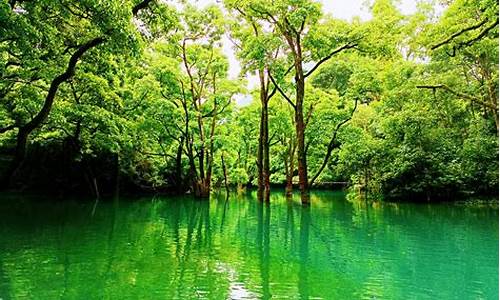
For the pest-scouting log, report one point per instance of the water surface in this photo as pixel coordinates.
(180, 248)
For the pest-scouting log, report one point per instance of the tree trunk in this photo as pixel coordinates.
(201, 189)
(117, 175)
(262, 141)
(178, 166)
(265, 150)
(260, 163)
(224, 170)
(36, 122)
(289, 186)
(300, 133)
(290, 167)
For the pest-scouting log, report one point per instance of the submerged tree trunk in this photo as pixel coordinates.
(265, 171)
(224, 170)
(178, 166)
(293, 36)
(263, 181)
(289, 186)
(290, 167)
(300, 131)
(201, 189)
(260, 161)
(294, 42)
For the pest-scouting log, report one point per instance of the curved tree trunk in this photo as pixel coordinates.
(26, 129)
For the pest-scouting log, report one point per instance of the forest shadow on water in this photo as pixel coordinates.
(239, 248)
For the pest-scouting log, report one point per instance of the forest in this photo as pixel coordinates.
(249, 149)
(98, 97)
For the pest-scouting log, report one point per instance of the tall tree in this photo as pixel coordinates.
(206, 92)
(258, 50)
(307, 37)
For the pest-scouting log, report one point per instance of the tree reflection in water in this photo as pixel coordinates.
(238, 248)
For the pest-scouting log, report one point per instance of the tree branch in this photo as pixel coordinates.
(54, 86)
(281, 91)
(458, 94)
(141, 5)
(333, 144)
(326, 58)
(7, 128)
(459, 33)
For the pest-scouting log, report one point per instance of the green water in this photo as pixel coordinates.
(178, 248)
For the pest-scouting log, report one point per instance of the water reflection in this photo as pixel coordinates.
(305, 221)
(263, 224)
(239, 248)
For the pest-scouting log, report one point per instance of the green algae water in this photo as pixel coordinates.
(181, 248)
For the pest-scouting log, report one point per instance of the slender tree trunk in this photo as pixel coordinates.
(300, 133)
(288, 190)
(202, 185)
(265, 150)
(260, 163)
(224, 170)
(262, 141)
(178, 166)
(289, 185)
(290, 165)
(292, 36)
(333, 144)
(193, 174)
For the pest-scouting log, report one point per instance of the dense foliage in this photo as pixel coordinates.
(137, 95)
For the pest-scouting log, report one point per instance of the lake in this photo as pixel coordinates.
(181, 248)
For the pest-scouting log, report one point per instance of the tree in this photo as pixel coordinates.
(106, 24)
(304, 39)
(206, 93)
(258, 50)
(467, 37)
